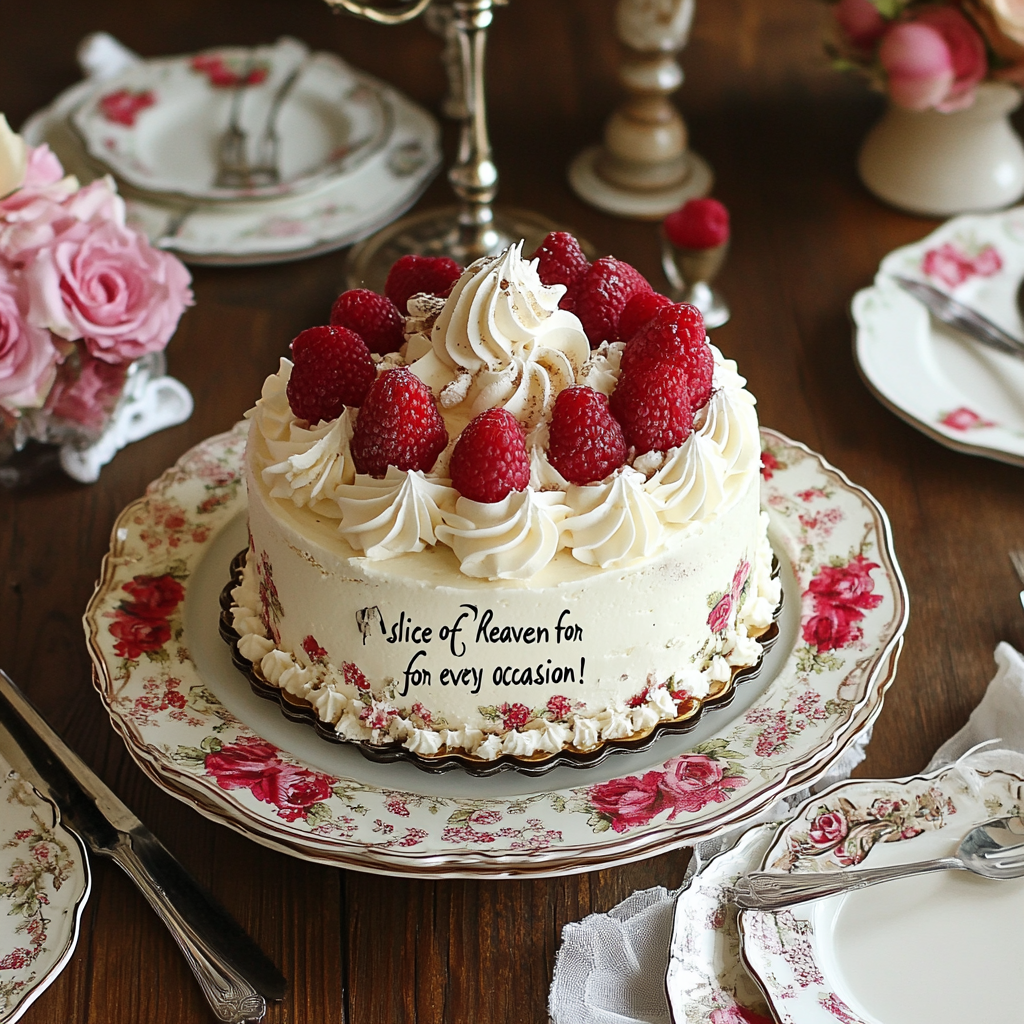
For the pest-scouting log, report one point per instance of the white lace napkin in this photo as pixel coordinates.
(611, 967)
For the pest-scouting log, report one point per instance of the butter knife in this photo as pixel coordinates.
(235, 975)
(964, 319)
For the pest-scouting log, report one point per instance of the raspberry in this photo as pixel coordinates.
(638, 311)
(602, 295)
(332, 369)
(676, 335)
(375, 318)
(561, 262)
(398, 425)
(411, 275)
(586, 441)
(489, 460)
(652, 402)
(698, 224)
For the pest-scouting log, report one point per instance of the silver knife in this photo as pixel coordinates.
(969, 321)
(235, 975)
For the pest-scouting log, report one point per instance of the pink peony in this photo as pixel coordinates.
(934, 60)
(28, 358)
(860, 23)
(105, 283)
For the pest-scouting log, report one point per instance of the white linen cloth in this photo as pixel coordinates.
(611, 967)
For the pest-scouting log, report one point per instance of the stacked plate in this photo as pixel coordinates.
(335, 154)
(187, 714)
(934, 948)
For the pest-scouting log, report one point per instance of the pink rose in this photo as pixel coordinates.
(86, 390)
(850, 584)
(153, 597)
(828, 829)
(105, 283)
(934, 60)
(860, 23)
(628, 802)
(28, 358)
(43, 167)
(293, 790)
(137, 636)
(242, 765)
(691, 781)
(721, 615)
(831, 627)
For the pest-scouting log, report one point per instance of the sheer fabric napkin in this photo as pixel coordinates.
(611, 967)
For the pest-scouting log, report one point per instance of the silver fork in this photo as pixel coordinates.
(1017, 558)
(267, 170)
(232, 159)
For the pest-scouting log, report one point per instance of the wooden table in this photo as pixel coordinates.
(781, 130)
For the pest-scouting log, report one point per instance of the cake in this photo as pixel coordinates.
(515, 536)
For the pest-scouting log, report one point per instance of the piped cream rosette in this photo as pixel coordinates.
(500, 340)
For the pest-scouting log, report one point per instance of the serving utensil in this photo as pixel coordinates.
(994, 849)
(963, 318)
(232, 150)
(235, 975)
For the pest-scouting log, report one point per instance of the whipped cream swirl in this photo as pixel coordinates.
(395, 515)
(510, 539)
(502, 325)
(614, 522)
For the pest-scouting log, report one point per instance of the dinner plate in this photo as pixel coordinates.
(158, 124)
(193, 724)
(937, 948)
(44, 884)
(334, 212)
(958, 392)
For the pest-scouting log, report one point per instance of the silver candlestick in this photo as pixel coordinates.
(473, 228)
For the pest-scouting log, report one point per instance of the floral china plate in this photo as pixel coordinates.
(157, 125)
(961, 394)
(706, 981)
(937, 948)
(339, 210)
(191, 721)
(44, 884)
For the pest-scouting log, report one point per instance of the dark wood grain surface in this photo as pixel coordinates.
(781, 131)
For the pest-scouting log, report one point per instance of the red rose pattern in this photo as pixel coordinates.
(141, 625)
(124, 106)
(687, 783)
(840, 595)
(220, 74)
(964, 419)
(256, 766)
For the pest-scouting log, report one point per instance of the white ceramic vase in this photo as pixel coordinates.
(940, 164)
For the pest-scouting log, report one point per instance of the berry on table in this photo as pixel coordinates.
(698, 224)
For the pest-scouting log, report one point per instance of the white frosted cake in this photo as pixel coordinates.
(556, 615)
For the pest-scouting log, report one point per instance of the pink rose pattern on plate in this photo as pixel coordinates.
(964, 419)
(161, 693)
(123, 106)
(952, 264)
